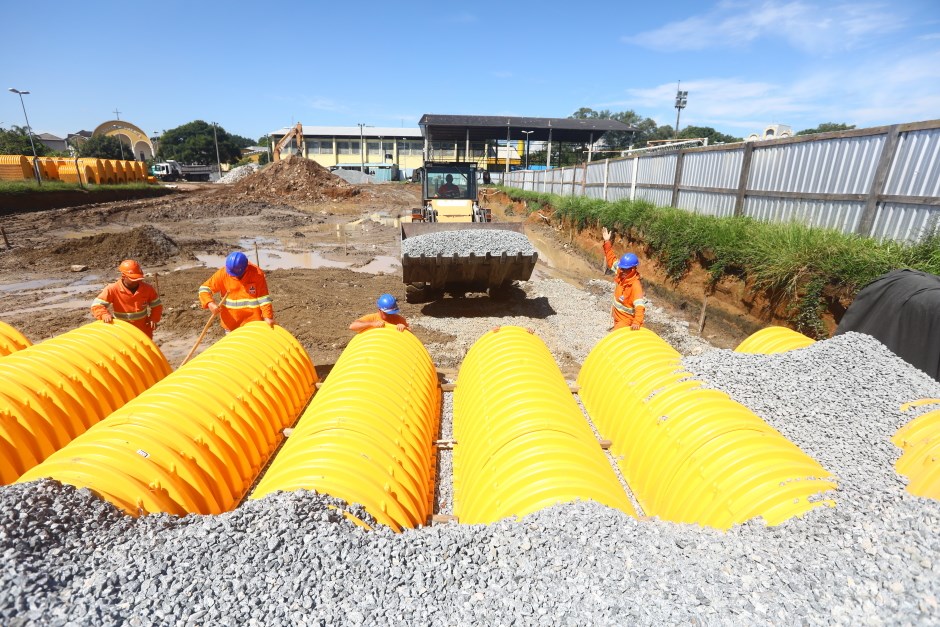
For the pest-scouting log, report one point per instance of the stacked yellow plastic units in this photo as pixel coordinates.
(196, 441)
(522, 442)
(54, 391)
(368, 435)
(920, 441)
(774, 340)
(11, 340)
(689, 454)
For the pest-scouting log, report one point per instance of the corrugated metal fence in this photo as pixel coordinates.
(882, 182)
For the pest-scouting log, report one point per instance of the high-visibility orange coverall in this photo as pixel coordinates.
(629, 304)
(130, 306)
(392, 319)
(246, 299)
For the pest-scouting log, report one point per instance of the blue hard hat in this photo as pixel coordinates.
(387, 304)
(627, 261)
(236, 264)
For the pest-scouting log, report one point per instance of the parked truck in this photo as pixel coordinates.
(171, 170)
(482, 256)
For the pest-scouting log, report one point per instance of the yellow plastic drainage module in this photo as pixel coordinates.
(920, 441)
(54, 391)
(522, 442)
(691, 454)
(11, 340)
(196, 441)
(774, 340)
(368, 435)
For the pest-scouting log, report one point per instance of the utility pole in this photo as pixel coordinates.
(215, 137)
(682, 98)
(362, 154)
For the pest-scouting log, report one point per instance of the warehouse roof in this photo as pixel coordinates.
(486, 127)
(353, 131)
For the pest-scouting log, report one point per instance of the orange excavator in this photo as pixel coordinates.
(296, 134)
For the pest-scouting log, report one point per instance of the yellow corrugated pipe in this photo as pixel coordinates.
(367, 436)
(522, 442)
(690, 454)
(56, 390)
(774, 340)
(11, 340)
(196, 441)
(920, 441)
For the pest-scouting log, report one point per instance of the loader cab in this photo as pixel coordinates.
(449, 194)
(453, 182)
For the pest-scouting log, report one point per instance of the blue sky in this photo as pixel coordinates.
(254, 67)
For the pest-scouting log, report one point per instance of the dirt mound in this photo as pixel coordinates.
(146, 244)
(292, 180)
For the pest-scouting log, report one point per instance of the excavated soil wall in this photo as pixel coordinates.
(38, 201)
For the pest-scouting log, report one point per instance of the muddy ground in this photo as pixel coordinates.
(329, 249)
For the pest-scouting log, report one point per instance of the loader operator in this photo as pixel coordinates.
(448, 189)
(131, 299)
(388, 313)
(245, 292)
(629, 304)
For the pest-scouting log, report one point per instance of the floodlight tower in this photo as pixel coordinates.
(682, 97)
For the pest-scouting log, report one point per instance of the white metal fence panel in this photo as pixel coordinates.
(661, 197)
(595, 172)
(904, 222)
(619, 179)
(707, 203)
(660, 169)
(833, 166)
(839, 215)
(721, 168)
(915, 170)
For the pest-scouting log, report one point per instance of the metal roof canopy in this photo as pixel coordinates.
(487, 127)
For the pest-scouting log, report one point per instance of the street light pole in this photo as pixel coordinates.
(215, 137)
(527, 133)
(362, 157)
(682, 98)
(30, 132)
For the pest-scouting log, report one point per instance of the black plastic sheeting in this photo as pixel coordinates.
(901, 309)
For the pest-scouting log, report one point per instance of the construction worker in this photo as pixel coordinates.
(388, 313)
(629, 304)
(244, 290)
(131, 299)
(448, 189)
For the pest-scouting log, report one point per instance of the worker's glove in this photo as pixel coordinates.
(270, 322)
(606, 234)
(107, 318)
(212, 307)
(400, 327)
(153, 325)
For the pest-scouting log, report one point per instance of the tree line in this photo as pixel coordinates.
(646, 130)
(194, 142)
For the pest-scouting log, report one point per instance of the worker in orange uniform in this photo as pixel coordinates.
(388, 313)
(629, 304)
(131, 299)
(246, 293)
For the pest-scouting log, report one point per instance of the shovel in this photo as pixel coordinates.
(205, 329)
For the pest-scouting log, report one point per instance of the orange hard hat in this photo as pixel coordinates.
(130, 269)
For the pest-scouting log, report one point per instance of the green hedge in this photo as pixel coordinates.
(789, 260)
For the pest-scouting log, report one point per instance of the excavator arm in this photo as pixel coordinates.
(296, 133)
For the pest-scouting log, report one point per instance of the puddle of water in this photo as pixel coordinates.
(25, 286)
(82, 284)
(382, 263)
(280, 260)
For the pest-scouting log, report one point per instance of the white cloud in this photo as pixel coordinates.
(325, 104)
(901, 90)
(805, 26)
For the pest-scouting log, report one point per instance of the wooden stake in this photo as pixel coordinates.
(205, 330)
(701, 318)
(5, 240)
(257, 258)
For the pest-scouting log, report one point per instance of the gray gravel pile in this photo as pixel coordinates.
(465, 243)
(68, 558)
(355, 177)
(236, 174)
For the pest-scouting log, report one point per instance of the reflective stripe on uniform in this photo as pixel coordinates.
(156, 303)
(623, 308)
(98, 301)
(203, 288)
(640, 302)
(247, 303)
(130, 316)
